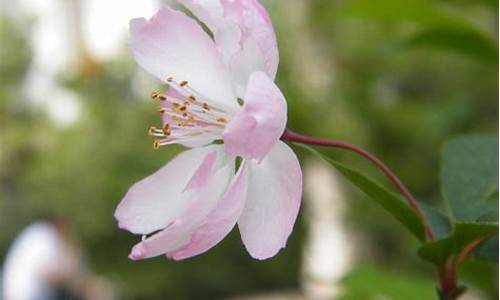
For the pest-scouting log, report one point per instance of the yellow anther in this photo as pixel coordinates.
(205, 106)
(170, 79)
(183, 83)
(166, 129)
(161, 110)
(152, 130)
(158, 96)
(222, 120)
(192, 98)
(154, 95)
(156, 144)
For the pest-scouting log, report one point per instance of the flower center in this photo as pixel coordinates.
(187, 116)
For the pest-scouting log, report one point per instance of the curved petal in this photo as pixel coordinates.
(154, 202)
(274, 194)
(243, 33)
(172, 44)
(179, 232)
(220, 221)
(260, 123)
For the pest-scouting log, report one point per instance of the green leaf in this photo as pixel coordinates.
(368, 282)
(437, 252)
(469, 177)
(391, 202)
(488, 250)
(471, 43)
(440, 224)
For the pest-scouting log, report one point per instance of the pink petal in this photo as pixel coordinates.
(256, 24)
(274, 194)
(220, 221)
(243, 33)
(154, 202)
(260, 123)
(172, 44)
(178, 233)
(203, 173)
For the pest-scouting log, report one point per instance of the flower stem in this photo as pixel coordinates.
(291, 136)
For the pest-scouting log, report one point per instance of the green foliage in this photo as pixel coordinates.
(470, 43)
(436, 27)
(470, 184)
(464, 234)
(373, 283)
(418, 11)
(488, 250)
(470, 177)
(390, 201)
(440, 223)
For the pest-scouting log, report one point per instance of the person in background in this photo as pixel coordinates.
(45, 263)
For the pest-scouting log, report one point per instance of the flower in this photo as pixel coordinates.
(220, 88)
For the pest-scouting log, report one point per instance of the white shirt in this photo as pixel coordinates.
(33, 253)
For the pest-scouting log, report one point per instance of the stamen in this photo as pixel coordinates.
(154, 95)
(191, 116)
(166, 129)
(158, 96)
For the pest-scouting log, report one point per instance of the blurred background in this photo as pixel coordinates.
(396, 77)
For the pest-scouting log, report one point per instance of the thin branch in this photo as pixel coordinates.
(398, 184)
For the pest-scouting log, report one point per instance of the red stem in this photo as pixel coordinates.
(298, 138)
(448, 280)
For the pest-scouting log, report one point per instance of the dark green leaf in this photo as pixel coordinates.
(469, 176)
(391, 202)
(439, 222)
(463, 234)
(488, 250)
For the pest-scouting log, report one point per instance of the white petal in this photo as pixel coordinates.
(180, 231)
(172, 44)
(154, 202)
(274, 194)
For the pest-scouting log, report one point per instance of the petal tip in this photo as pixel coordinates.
(264, 256)
(137, 253)
(122, 226)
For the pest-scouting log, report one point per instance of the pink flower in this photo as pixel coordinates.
(194, 201)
